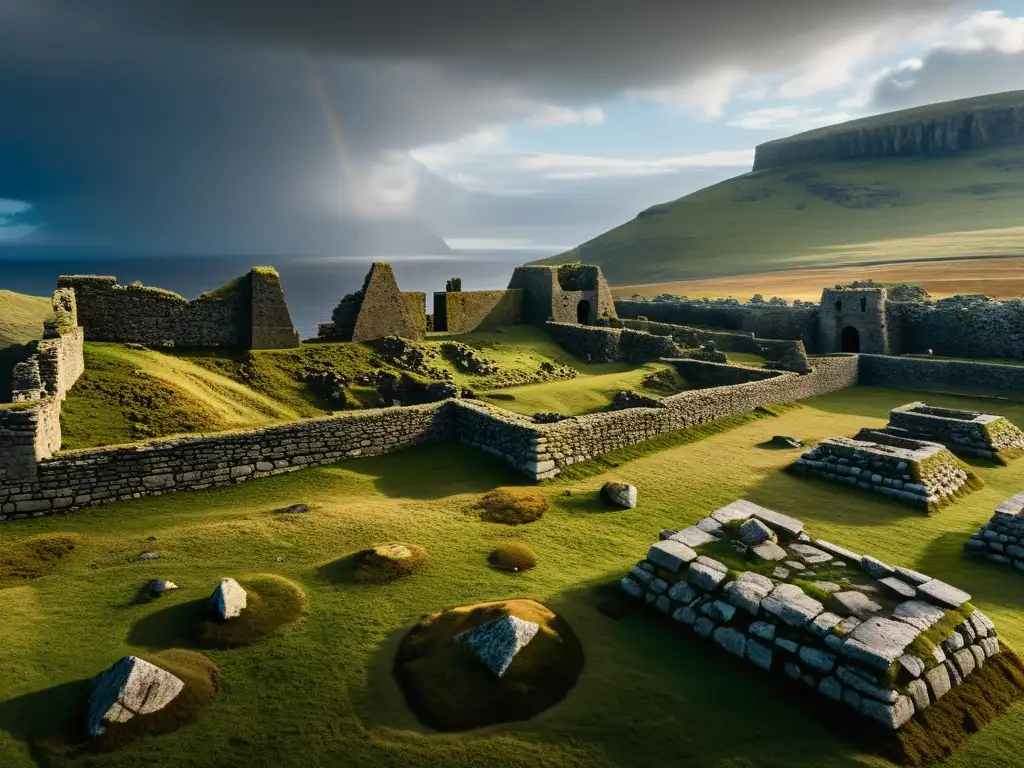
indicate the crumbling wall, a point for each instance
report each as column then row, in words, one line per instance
column 960, row 326
column 922, row 373
column 765, row 321
column 606, row 345
column 465, row 311
column 701, row 373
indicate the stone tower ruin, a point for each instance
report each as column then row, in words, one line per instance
column 853, row 320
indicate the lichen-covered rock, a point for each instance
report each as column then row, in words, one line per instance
column 497, row 642
column 228, row 599
column 130, row 687
column 754, row 532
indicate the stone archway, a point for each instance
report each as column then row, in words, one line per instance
column 583, row 312
column 849, row 339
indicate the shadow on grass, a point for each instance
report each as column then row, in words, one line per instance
column 815, row 499
column 340, row 571
column 876, row 402
column 168, row 627
column 987, row 582
column 585, row 503
column 436, row 471
column 44, row 720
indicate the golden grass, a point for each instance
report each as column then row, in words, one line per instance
column 1000, row 278
column 383, row 563
column 512, row 506
column 512, row 556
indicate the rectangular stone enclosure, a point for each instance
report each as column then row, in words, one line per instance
column 1001, row 539
column 924, row 474
column 885, row 641
column 970, row 433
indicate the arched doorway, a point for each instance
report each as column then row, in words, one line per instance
column 849, row 340
column 583, row 312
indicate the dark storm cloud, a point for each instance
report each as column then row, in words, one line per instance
column 196, row 125
column 948, row 74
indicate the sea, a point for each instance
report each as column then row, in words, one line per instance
column 312, row 286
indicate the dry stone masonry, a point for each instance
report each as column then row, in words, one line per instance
column 981, row 435
column 885, row 641
column 1001, row 539
column 920, row 473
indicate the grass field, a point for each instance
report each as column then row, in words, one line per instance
column 822, row 214
column 322, row 693
column 1000, row 278
column 22, row 317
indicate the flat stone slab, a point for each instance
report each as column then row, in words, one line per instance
column 898, row 586
column 694, row 536
column 878, row 642
column 857, row 603
column 809, row 554
column 706, row 573
column 780, row 523
column 740, row 509
column 671, row 555
column 943, row 593
column 918, row 613
column 792, row 605
column 836, row 550
column 770, row 551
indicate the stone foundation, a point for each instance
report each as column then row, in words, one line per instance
column 856, row 630
column 981, row 435
column 1001, row 539
column 920, row 473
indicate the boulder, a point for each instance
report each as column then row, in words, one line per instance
column 292, row 509
column 783, row 441
column 228, row 599
column 497, row 642
column 130, row 687
column 754, row 532
column 619, row 495
column 671, row 554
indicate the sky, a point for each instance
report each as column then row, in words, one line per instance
column 311, row 127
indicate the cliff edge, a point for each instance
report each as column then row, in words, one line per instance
column 945, row 128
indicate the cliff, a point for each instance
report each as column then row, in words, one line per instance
column 949, row 127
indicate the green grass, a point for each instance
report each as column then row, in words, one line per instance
column 322, row 692
column 822, row 214
column 21, row 317
column 128, row 394
column 588, row 393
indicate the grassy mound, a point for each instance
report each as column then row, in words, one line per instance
column 202, row 681
column 450, row 689
column 272, row 602
column 512, row 507
column 34, row 557
column 385, row 563
column 512, row 556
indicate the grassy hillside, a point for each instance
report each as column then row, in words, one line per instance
column 21, row 317
column 131, row 394
column 323, row 692
column 823, row 214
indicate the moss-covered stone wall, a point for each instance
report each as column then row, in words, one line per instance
column 465, row 311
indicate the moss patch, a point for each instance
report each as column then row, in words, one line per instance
column 512, row 507
column 35, row 556
column 272, row 603
column 450, row 689
column 512, row 556
column 385, row 563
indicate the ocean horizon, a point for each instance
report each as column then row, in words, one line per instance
column 312, row 285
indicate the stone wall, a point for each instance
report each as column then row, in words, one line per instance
column 688, row 336
column 1001, row 540
column 972, row 326
column 853, row 320
column 700, row 373
column 924, row 374
column 416, row 307
column 763, row 320
column 922, row 474
column 465, row 311
column 606, row 345
column 580, row 438
column 982, row 435
column 746, row 579
column 247, row 312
